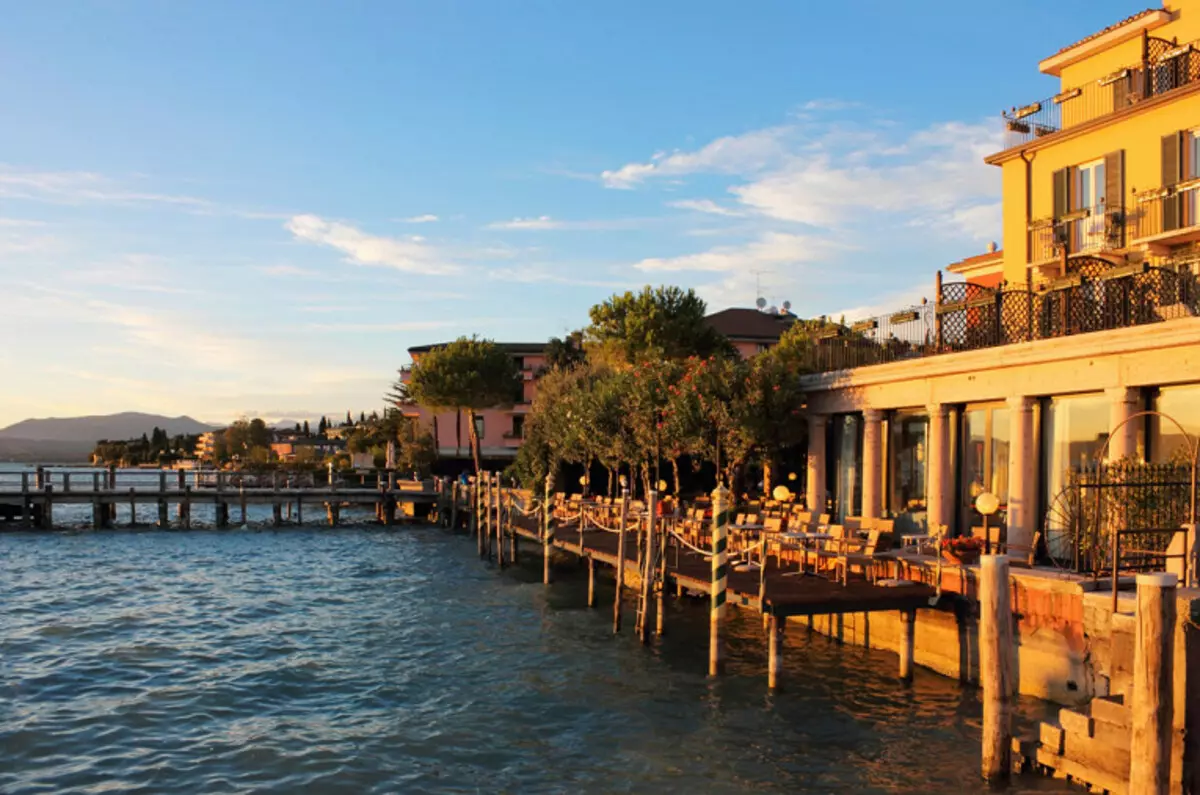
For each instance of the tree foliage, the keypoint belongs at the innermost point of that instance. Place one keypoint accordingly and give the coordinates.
(469, 374)
(656, 323)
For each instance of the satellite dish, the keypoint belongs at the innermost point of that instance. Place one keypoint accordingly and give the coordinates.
(760, 302)
(773, 311)
(787, 306)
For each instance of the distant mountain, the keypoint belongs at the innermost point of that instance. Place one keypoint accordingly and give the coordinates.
(127, 425)
(41, 451)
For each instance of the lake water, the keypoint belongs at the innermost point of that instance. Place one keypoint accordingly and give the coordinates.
(364, 660)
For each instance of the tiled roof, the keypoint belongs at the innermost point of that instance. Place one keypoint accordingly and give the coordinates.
(750, 324)
(1109, 29)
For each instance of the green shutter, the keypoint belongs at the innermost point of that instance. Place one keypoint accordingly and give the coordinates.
(1062, 192)
(1114, 197)
(1172, 172)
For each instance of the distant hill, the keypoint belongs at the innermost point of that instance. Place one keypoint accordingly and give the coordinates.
(127, 425)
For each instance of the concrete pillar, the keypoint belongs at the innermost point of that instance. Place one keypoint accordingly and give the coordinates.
(815, 479)
(939, 476)
(1123, 403)
(872, 464)
(1022, 477)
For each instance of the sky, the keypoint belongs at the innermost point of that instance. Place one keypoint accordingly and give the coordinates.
(255, 208)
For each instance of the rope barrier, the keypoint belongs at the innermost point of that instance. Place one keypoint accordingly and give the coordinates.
(693, 547)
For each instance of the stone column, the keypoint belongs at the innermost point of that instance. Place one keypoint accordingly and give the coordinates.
(872, 464)
(814, 482)
(1123, 403)
(1022, 477)
(939, 480)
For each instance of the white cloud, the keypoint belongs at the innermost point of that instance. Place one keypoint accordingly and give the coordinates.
(540, 223)
(407, 325)
(772, 248)
(77, 187)
(706, 206)
(427, 218)
(731, 154)
(409, 256)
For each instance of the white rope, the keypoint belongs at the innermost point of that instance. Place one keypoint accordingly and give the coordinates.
(693, 547)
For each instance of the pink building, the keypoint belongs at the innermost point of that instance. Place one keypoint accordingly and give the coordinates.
(751, 331)
(500, 430)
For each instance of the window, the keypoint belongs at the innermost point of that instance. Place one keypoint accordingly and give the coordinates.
(1074, 428)
(984, 461)
(844, 475)
(1182, 404)
(479, 428)
(1088, 193)
(906, 471)
(518, 426)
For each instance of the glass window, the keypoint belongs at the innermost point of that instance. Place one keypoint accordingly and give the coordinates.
(907, 471)
(984, 451)
(479, 428)
(844, 476)
(1074, 429)
(1181, 403)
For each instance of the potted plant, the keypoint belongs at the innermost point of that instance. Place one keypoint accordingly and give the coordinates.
(964, 550)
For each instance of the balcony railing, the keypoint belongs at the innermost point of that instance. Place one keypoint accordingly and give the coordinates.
(967, 316)
(1169, 214)
(1088, 230)
(1168, 66)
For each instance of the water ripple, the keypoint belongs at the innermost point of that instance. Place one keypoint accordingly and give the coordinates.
(368, 661)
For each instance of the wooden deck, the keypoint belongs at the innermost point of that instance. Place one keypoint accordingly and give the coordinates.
(787, 592)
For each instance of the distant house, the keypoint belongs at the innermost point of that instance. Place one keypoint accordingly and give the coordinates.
(286, 451)
(751, 331)
(206, 444)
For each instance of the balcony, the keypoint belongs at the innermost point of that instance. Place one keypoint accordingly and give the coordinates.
(1167, 217)
(1095, 296)
(1090, 230)
(1167, 67)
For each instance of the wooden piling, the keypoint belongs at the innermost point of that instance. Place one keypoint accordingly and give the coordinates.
(185, 508)
(591, 602)
(1153, 698)
(660, 607)
(720, 562)
(995, 671)
(97, 503)
(299, 509)
(620, 560)
(648, 570)
(26, 506)
(908, 635)
(546, 531)
(333, 511)
(39, 478)
(499, 520)
(242, 500)
(775, 626)
(132, 507)
(163, 519)
(48, 507)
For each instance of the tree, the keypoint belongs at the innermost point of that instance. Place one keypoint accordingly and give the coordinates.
(306, 431)
(565, 353)
(362, 417)
(657, 323)
(322, 426)
(468, 375)
(296, 430)
(348, 421)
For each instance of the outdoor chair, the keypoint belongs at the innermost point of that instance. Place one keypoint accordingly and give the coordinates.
(993, 538)
(867, 555)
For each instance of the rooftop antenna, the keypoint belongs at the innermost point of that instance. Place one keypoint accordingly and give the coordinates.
(758, 296)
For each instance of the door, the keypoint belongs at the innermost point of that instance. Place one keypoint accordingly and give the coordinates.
(1089, 195)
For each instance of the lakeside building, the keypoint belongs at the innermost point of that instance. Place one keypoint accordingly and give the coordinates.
(1017, 376)
(502, 430)
(286, 449)
(206, 444)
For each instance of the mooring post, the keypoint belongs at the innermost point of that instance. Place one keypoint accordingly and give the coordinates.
(995, 666)
(485, 507)
(500, 550)
(620, 559)
(48, 508)
(185, 508)
(39, 478)
(132, 507)
(242, 498)
(716, 647)
(299, 509)
(775, 627)
(473, 505)
(97, 503)
(649, 570)
(546, 531)
(276, 505)
(660, 611)
(67, 482)
(908, 637)
(1153, 701)
(180, 479)
(112, 480)
(453, 505)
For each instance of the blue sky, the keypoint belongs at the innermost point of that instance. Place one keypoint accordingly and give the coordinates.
(228, 208)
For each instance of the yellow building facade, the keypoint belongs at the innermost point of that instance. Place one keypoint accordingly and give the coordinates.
(1110, 165)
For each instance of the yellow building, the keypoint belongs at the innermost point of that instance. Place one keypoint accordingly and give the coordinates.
(1108, 167)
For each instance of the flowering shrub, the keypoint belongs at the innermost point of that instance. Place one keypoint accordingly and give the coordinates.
(962, 544)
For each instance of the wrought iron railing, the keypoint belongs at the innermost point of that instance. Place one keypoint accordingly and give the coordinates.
(1173, 208)
(1095, 296)
(1087, 230)
(1167, 66)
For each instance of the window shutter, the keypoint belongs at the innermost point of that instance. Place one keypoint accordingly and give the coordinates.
(1062, 192)
(1114, 197)
(1171, 173)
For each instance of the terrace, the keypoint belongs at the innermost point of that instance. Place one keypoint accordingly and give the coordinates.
(1095, 295)
(1166, 67)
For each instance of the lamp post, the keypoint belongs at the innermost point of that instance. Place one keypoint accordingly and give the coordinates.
(987, 504)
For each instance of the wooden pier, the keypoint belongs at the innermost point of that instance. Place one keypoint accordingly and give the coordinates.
(28, 500)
